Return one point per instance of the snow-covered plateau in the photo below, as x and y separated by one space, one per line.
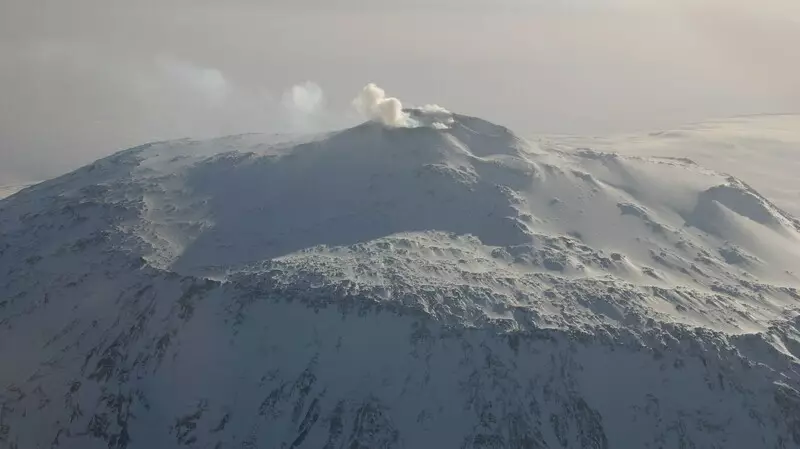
449 286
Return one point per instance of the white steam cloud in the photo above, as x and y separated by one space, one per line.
182 98
204 83
305 104
306 98
373 104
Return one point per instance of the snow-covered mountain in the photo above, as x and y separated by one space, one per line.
762 149
448 286
10 190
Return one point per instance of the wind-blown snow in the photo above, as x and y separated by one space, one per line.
397 287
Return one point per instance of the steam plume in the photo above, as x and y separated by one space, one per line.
373 104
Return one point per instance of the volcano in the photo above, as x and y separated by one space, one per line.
432 286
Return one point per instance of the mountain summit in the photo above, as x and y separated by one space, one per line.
444 285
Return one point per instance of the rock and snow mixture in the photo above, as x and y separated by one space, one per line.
442 286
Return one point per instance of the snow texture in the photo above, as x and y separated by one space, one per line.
764 150
397 287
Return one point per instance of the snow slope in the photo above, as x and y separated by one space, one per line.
764 150
10 190
410 287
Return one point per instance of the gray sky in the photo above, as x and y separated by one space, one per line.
81 79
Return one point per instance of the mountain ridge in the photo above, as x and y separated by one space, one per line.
409 287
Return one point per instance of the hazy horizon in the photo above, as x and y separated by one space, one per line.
81 80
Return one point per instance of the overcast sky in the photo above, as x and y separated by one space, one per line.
81 79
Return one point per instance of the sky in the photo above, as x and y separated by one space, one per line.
82 79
